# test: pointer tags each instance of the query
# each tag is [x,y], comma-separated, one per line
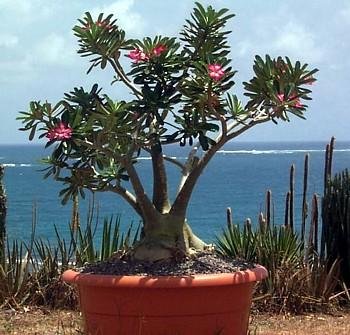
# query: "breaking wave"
[275,152]
[17,165]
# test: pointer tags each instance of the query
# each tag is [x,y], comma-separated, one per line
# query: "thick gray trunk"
[169,237]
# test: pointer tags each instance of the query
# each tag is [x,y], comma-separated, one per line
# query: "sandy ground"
[35,322]
[310,324]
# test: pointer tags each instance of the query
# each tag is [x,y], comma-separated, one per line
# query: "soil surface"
[202,263]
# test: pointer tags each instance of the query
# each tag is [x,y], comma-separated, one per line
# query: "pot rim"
[257,273]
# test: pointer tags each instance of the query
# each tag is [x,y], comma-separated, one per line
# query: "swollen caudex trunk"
[168,237]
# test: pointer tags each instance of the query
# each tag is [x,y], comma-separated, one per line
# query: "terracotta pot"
[189,305]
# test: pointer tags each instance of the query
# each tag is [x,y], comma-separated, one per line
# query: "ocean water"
[237,177]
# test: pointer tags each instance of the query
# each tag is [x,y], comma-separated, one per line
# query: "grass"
[309,324]
[40,321]
[61,322]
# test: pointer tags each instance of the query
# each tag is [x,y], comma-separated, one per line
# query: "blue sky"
[38,59]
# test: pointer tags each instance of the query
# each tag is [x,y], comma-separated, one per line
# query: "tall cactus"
[304,209]
[268,207]
[286,210]
[336,221]
[229,220]
[291,198]
[326,183]
[313,236]
[3,211]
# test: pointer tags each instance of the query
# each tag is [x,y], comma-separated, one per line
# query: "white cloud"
[291,38]
[345,13]
[129,20]
[27,10]
[54,49]
[19,6]
[295,40]
[8,40]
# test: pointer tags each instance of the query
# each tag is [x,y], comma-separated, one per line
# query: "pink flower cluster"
[138,55]
[158,50]
[215,71]
[295,101]
[102,24]
[60,132]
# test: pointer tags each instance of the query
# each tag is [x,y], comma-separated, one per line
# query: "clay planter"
[190,305]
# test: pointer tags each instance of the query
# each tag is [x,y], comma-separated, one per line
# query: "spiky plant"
[180,95]
[3,212]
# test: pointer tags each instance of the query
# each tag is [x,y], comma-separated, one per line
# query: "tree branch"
[120,72]
[160,184]
[168,159]
[145,204]
[174,161]
[126,195]
[180,204]
[191,161]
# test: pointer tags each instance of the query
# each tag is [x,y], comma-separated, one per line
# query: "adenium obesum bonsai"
[179,95]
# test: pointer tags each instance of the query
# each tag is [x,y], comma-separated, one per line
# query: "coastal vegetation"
[307,268]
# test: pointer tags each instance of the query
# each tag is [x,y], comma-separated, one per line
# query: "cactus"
[304,205]
[313,234]
[327,177]
[291,199]
[229,217]
[328,163]
[262,222]
[248,224]
[3,210]
[336,221]
[286,211]
[268,207]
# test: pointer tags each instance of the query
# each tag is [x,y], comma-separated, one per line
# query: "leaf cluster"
[274,78]
[175,98]
[101,39]
[203,34]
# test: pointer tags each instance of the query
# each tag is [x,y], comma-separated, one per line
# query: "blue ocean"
[237,177]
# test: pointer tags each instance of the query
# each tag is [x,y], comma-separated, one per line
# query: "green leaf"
[32,132]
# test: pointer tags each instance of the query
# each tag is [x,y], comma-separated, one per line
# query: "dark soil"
[202,263]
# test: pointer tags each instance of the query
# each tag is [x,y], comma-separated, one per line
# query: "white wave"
[282,151]
[144,158]
[177,158]
[16,165]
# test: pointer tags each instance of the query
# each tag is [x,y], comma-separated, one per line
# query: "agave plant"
[180,94]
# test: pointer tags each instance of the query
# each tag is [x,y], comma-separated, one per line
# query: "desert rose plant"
[179,95]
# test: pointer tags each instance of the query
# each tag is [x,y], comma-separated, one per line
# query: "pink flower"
[309,80]
[159,49]
[215,71]
[60,132]
[87,26]
[137,55]
[296,101]
[280,97]
[103,24]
